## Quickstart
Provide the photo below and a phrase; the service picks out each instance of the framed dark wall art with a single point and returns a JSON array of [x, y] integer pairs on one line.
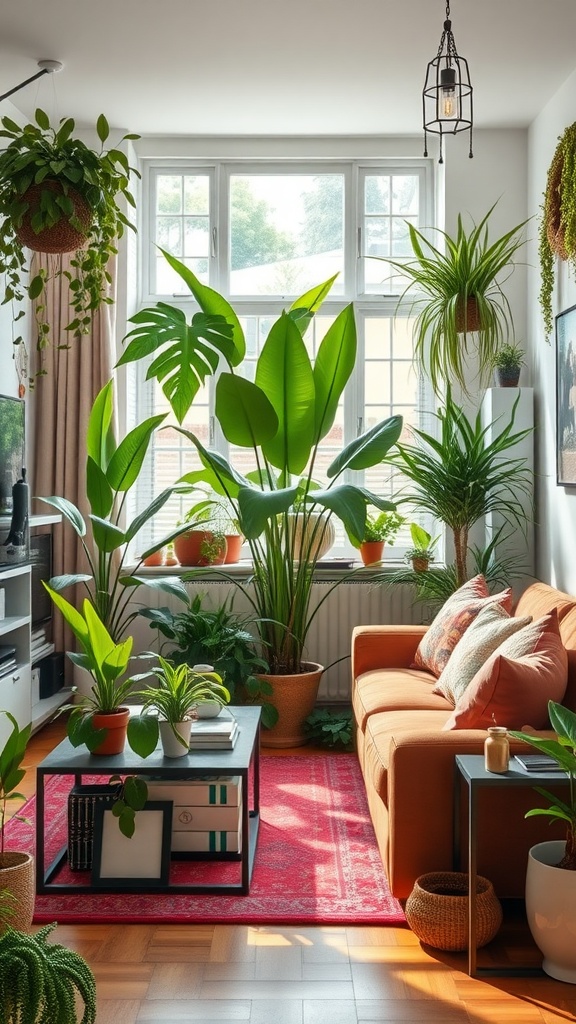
[[566, 397], [141, 862]]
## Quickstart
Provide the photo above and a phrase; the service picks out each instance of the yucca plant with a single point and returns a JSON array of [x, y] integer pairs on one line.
[[40, 981], [459, 303], [462, 476]]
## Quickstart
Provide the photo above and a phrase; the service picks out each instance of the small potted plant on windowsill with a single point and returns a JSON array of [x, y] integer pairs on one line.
[[422, 552], [508, 363], [377, 531], [203, 543]]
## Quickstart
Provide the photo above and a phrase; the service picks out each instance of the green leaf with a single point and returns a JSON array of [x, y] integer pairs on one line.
[[143, 734], [69, 511], [333, 368], [42, 119], [35, 287], [284, 373], [303, 309], [100, 442], [244, 412], [102, 128], [125, 465], [135, 792], [98, 490], [258, 507], [369, 449], [107, 536], [74, 619]]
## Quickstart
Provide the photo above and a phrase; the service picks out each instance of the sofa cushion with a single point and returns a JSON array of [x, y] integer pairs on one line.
[[381, 731], [389, 689], [514, 686], [485, 633], [540, 598], [453, 620]]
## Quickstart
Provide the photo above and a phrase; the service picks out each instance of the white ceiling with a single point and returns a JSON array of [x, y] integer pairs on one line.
[[264, 67]]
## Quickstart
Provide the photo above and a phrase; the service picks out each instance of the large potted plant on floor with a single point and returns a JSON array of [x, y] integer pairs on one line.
[[281, 417], [42, 982], [551, 875], [456, 292], [16, 868], [57, 195]]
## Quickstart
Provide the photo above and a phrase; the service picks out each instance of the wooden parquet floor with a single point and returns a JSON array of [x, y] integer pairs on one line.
[[288, 975]]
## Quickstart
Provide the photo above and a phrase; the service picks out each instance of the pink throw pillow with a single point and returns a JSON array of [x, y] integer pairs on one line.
[[514, 686], [453, 620]]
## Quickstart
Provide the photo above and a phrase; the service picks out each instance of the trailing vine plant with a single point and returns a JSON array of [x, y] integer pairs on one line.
[[558, 222]]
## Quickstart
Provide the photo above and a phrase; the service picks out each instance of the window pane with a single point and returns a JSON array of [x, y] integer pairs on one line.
[[182, 228], [286, 232], [389, 202]]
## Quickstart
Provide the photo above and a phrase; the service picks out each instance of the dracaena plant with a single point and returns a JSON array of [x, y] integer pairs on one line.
[[281, 417], [563, 750], [111, 471]]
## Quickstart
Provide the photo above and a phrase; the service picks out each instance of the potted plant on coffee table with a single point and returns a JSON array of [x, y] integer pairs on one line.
[[179, 691], [58, 195], [16, 868], [281, 418], [551, 875], [42, 982]]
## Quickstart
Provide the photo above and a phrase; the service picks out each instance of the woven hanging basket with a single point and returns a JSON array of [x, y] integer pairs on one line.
[[437, 910], [467, 317], [554, 229], [62, 237], [17, 876]]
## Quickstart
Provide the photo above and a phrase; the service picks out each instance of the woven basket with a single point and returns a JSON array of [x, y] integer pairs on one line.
[[17, 876], [437, 910], [467, 317], [62, 237]]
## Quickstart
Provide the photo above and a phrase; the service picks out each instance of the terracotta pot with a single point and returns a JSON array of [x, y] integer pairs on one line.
[[17, 876], [420, 564], [116, 725], [467, 317], [189, 548], [371, 551], [62, 237], [158, 558], [294, 697], [233, 548]]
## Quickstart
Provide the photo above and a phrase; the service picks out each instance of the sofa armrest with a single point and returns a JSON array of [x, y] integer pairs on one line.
[[375, 647]]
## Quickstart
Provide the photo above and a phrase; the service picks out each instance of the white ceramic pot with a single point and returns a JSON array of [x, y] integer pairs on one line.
[[551, 909], [208, 709], [170, 745]]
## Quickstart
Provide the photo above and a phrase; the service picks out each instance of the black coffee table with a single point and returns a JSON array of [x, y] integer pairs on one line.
[[78, 762]]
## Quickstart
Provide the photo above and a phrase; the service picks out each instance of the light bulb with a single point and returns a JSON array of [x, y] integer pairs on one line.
[[448, 101]]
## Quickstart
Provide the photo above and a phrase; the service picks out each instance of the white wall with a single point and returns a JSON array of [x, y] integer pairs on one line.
[[556, 505]]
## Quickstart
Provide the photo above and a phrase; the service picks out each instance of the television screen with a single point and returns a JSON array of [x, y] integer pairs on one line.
[[12, 448]]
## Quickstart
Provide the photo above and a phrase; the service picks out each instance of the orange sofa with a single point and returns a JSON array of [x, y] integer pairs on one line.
[[408, 761]]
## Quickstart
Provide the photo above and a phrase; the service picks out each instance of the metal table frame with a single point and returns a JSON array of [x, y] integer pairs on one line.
[[470, 769], [78, 762]]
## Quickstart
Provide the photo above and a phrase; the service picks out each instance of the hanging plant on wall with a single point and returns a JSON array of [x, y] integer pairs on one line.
[[57, 195], [558, 222]]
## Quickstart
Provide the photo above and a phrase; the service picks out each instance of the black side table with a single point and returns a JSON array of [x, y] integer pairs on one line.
[[470, 768]]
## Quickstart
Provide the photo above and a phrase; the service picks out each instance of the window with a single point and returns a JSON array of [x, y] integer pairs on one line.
[[262, 234]]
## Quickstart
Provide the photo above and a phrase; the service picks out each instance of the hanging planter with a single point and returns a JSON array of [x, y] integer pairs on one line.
[[59, 196], [558, 220]]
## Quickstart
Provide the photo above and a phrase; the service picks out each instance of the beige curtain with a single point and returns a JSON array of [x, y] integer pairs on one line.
[[63, 399]]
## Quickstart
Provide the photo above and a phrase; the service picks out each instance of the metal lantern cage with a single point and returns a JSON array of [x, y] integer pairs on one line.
[[447, 93]]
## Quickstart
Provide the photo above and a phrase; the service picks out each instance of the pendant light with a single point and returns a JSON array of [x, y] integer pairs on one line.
[[447, 93]]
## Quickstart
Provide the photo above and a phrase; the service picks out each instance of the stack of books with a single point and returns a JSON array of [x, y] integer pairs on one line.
[[214, 733], [40, 645], [7, 658]]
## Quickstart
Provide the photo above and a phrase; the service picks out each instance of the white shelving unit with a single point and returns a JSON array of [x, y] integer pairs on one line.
[[15, 630]]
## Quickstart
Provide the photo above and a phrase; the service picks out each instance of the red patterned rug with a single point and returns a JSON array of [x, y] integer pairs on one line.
[[317, 861]]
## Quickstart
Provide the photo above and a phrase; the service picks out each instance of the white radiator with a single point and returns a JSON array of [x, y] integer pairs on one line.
[[350, 604]]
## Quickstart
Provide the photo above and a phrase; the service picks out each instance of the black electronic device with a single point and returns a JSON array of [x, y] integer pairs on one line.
[[41, 559], [51, 674]]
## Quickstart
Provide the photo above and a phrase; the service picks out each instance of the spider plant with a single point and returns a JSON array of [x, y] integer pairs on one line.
[[460, 305], [462, 476]]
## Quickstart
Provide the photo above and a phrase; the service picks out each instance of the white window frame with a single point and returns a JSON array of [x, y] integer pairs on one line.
[[365, 304]]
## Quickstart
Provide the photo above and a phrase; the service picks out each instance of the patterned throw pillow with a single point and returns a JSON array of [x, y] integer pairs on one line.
[[514, 686], [453, 620], [485, 633]]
